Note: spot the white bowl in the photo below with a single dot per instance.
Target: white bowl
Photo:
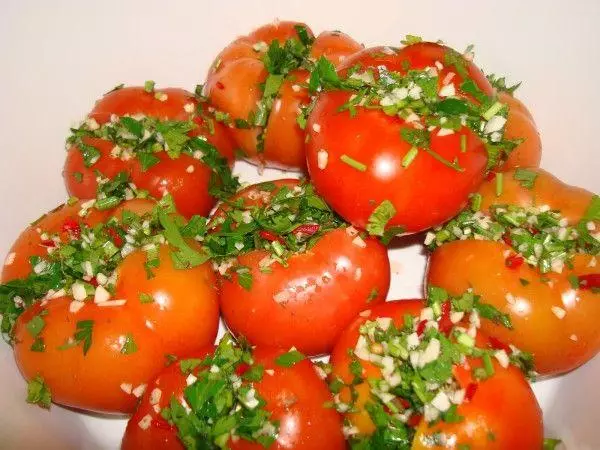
(57, 57)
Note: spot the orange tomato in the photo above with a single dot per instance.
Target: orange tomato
(182, 317)
(559, 342)
(185, 178)
(234, 86)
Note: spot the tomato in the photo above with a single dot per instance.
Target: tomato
(498, 403)
(234, 86)
(558, 344)
(520, 124)
(294, 396)
(308, 302)
(181, 316)
(184, 177)
(424, 193)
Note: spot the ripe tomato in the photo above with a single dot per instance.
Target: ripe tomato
(308, 301)
(520, 124)
(424, 191)
(185, 177)
(293, 395)
(498, 402)
(234, 86)
(175, 312)
(537, 305)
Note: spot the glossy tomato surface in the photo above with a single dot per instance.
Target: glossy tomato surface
(309, 301)
(185, 178)
(293, 395)
(425, 193)
(182, 316)
(558, 342)
(234, 86)
(499, 402)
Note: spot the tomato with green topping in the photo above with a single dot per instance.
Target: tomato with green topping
(405, 380)
(410, 130)
(284, 411)
(259, 84)
(92, 300)
(292, 273)
(535, 247)
(164, 140)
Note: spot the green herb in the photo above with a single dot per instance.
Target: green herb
(551, 444)
(410, 39)
(379, 218)
(83, 334)
(129, 346)
(573, 280)
(372, 295)
(35, 325)
(499, 83)
(244, 278)
(149, 86)
(38, 392)
(146, 298)
(185, 256)
(353, 163)
(410, 156)
(526, 177)
(90, 154)
(499, 184)
(391, 233)
(38, 345)
(290, 358)
(78, 176)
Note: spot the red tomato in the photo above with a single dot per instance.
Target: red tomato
(185, 178)
(426, 192)
(234, 86)
(183, 316)
(498, 403)
(294, 396)
(559, 344)
(309, 302)
(520, 124)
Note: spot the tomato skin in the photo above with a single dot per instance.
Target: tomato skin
(189, 189)
(485, 412)
(520, 124)
(92, 381)
(294, 396)
(234, 86)
(424, 194)
(183, 317)
(319, 292)
(558, 345)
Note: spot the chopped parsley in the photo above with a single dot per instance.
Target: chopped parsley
(38, 392)
(379, 218)
(290, 358)
(525, 177)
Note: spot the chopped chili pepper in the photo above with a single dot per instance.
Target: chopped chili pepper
(589, 281)
(270, 236)
(470, 391)
(242, 368)
(445, 324)
(115, 236)
(421, 327)
(48, 243)
(497, 344)
(414, 420)
(490, 176)
(507, 240)
(71, 226)
(514, 261)
(220, 85)
(307, 228)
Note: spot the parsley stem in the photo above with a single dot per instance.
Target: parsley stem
(353, 163)
(453, 165)
(409, 157)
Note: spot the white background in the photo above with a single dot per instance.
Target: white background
(57, 57)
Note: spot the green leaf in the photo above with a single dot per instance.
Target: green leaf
(593, 211)
(135, 127)
(38, 392)
(89, 153)
(551, 444)
(391, 233)
(272, 85)
(83, 334)
(290, 358)
(185, 257)
(490, 312)
(146, 298)
(244, 277)
(379, 218)
(255, 373)
(500, 84)
(147, 160)
(38, 345)
(526, 177)
(149, 86)
(175, 134)
(411, 39)
(188, 365)
(35, 325)
(130, 346)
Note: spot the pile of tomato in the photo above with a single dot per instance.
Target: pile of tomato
(112, 301)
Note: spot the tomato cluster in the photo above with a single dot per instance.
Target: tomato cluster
(112, 302)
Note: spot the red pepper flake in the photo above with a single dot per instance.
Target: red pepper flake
(220, 85)
(71, 226)
(445, 324)
(470, 391)
(115, 236)
(490, 176)
(405, 403)
(421, 327)
(497, 344)
(94, 282)
(307, 228)
(589, 281)
(507, 240)
(269, 236)
(414, 420)
(48, 243)
(514, 261)
(241, 369)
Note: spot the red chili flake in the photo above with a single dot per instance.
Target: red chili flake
(162, 424)
(307, 228)
(470, 391)
(71, 226)
(241, 369)
(94, 282)
(220, 85)
(414, 420)
(514, 261)
(405, 403)
(534, 231)
(48, 243)
(421, 327)
(589, 281)
(445, 324)
(490, 176)
(507, 240)
(115, 236)
(497, 344)
(269, 236)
